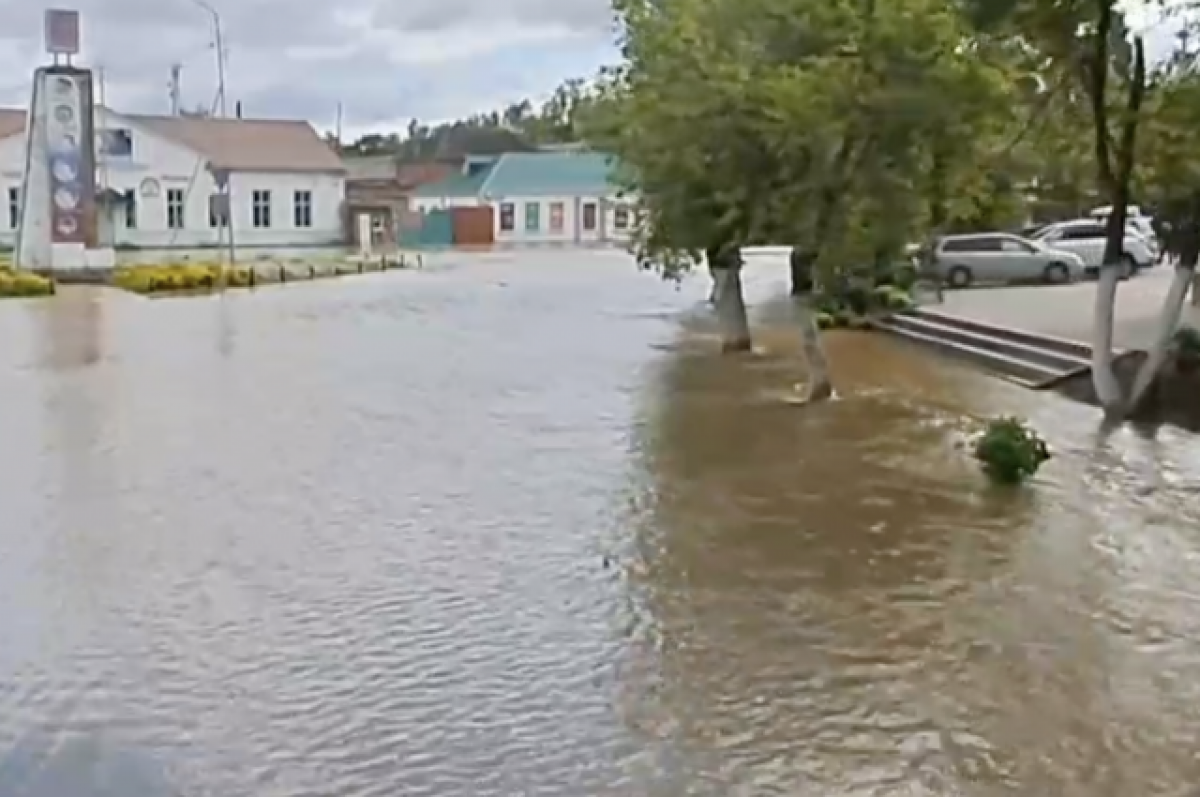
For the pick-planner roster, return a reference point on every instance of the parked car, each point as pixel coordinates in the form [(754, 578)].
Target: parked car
[(962, 260), (1142, 224), (1086, 237)]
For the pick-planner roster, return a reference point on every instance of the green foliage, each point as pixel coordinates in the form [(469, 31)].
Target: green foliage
[(23, 285), (1186, 342), (1009, 451), (847, 128)]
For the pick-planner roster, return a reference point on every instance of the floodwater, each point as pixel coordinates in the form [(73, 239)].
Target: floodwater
[(509, 527)]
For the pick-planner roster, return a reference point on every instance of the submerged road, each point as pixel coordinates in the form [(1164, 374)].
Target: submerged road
[(508, 527)]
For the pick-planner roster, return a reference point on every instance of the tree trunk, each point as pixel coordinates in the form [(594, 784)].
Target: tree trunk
[(715, 291), (1104, 380), (731, 312), (818, 386), (1168, 322)]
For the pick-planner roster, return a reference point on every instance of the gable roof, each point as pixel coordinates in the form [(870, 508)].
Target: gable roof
[(551, 174), (259, 145), (370, 167), (457, 184)]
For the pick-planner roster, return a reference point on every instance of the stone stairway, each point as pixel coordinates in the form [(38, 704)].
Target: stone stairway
[(1033, 360)]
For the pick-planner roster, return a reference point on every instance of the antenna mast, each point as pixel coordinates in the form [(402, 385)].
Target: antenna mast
[(176, 72)]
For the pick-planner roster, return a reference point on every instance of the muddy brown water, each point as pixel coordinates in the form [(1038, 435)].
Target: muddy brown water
[(511, 528)]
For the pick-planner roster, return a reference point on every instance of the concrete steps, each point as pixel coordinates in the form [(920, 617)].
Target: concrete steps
[(1030, 359)]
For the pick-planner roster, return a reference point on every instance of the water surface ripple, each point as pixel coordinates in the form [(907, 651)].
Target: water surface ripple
[(507, 527)]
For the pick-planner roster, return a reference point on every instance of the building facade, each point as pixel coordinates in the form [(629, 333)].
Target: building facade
[(557, 198), (539, 198), (156, 177)]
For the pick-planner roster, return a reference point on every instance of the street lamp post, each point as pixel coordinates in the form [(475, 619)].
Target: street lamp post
[(219, 43)]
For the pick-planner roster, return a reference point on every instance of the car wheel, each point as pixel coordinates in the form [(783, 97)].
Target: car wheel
[(1057, 274), (959, 277)]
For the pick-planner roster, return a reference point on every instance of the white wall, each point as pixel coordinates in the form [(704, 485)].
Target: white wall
[(173, 166), (608, 210), (426, 203)]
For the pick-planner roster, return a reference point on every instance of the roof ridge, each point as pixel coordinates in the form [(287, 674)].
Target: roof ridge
[(493, 170)]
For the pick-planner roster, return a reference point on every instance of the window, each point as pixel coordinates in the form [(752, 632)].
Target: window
[(216, 204), (971, 244), (175, 208), (260, 203), (556, 216), (533, 217), (589, 216), (14, 208), (131, 209), (218, 210), (621, 218), (507, 217), (1082, 232), (114, 143), (1013, 245), (302, 209)]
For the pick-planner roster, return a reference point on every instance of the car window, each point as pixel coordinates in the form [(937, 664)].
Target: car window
[(1013, 245), (1082, 232), (972, 244)]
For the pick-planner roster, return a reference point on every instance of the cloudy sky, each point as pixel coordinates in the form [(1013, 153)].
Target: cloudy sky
[(385, 62)]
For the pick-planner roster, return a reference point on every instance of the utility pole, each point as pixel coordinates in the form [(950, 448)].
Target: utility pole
[(337, 129), (176, 70), (219, 45)]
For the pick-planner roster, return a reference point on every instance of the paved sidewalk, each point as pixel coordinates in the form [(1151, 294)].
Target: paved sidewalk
[(1066, 311)]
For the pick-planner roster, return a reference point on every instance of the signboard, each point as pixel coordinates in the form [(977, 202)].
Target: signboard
[(62, 31), (68, 109)]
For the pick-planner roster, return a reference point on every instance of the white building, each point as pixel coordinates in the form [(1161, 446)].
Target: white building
[(154, 181)]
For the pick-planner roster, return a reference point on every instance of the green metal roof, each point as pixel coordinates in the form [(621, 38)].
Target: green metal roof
[(456, 185), (550, 174)]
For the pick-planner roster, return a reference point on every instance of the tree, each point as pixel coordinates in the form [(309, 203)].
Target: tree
[(1170, 181), (1087, 42), (785, 120)]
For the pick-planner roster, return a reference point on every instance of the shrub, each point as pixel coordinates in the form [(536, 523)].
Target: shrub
[(20, 285), (892, 298), (1009, 451), (1187, 341), (826, 321), (167, 278)]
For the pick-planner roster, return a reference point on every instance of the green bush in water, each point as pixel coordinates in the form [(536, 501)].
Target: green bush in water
[(1009, 451)]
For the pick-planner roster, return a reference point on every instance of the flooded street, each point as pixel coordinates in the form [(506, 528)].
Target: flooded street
[(510, 527)]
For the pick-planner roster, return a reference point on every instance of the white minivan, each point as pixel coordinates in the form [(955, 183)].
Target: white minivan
[(1133, 218), (1086, 238)]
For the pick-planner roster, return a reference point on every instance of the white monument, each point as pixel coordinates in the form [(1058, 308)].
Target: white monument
[(57, 228)]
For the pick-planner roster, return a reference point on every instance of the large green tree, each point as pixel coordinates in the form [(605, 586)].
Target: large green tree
[(812, 124)]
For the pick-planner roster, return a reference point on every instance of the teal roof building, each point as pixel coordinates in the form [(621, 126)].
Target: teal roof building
[(551, 174), (559, 197)]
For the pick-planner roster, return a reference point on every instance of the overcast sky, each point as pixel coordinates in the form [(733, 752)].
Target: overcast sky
[(386, 62)]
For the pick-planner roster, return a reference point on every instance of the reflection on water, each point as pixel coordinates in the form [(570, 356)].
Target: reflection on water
[(514, 529)]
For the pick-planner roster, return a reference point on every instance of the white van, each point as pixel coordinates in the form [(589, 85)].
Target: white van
[(1135, 219)]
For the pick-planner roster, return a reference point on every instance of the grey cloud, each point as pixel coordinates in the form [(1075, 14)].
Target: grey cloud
[(431, 16), (137, 41)]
